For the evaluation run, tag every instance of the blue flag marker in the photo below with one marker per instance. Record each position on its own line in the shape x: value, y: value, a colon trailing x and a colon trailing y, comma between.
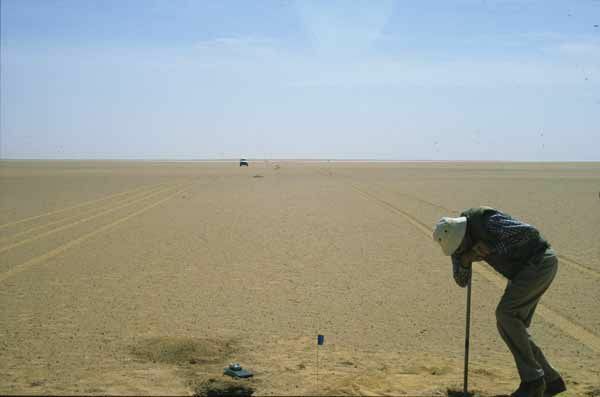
x: 320, y: 341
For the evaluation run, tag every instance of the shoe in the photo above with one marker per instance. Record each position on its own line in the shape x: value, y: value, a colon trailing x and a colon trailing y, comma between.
x: 535, y: 388
x: 555, y: 387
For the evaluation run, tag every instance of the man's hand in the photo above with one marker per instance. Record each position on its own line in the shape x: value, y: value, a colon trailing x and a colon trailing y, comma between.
x: 466, y: 260
x: 478, y: 253
x: 469, y: 257
x: 481, y: 249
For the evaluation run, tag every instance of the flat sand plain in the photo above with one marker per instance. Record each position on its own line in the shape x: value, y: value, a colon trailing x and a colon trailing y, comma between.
x: 150, y: 277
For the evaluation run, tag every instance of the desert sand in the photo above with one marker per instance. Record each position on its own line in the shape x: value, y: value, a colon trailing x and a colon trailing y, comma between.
x: 150, y: 277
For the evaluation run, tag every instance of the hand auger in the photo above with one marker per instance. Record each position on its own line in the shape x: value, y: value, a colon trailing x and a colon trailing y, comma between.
x: 467, y: 333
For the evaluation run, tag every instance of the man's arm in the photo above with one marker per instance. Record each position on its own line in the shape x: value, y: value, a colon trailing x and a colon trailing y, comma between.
x: 461, y: 270
x: 461, y: 262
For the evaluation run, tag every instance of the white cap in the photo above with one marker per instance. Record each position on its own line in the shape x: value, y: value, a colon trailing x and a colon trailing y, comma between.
x: 449, y: 233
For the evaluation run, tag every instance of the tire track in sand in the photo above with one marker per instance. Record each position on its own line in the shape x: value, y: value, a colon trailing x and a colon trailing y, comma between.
x: 576, y: 331
x: 69, y: 225
x: 45, y: 225
x: 580, y: 266
x: 569, y: 261
x: 85, y: 203
x: 59, y: 250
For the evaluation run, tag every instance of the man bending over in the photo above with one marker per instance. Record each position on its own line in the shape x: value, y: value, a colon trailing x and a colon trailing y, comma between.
x: 518, y: 252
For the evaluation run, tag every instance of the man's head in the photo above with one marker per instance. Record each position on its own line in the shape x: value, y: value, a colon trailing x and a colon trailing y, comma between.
x: 449, y: 233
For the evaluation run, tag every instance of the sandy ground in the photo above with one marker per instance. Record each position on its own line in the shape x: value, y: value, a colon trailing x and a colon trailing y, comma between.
x: 149, y: 278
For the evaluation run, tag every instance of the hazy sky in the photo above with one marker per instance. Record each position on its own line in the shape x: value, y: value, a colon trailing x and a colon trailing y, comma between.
x: 502, y: 80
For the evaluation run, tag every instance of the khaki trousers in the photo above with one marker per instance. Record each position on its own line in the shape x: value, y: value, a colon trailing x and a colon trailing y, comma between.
x: 515, y: 311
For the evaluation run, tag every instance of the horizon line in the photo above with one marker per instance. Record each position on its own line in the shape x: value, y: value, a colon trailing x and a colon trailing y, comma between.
x: 324, y: 159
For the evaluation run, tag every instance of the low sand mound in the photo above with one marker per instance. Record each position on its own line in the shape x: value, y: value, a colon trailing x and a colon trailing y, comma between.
x: 222, y: 387
x: 180, y: 350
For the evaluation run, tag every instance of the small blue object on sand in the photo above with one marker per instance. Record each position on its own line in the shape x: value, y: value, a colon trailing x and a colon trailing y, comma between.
x: 236, y: 371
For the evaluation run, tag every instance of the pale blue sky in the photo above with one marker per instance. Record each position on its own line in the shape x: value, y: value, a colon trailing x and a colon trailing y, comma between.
x: 448, y: 80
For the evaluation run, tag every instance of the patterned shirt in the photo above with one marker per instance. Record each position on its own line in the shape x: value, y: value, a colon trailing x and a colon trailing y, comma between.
x: 508, y: 233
